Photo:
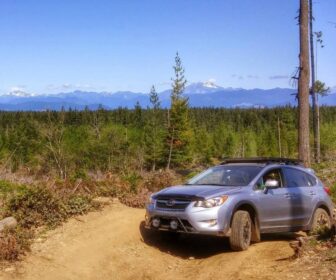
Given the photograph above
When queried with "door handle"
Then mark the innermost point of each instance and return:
(312, 193)
(288, 195)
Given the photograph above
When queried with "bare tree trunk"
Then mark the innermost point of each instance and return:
(316, 110)
(279, 138)
(303, 134)
(243, 146)
(170, 149)
(171, 140)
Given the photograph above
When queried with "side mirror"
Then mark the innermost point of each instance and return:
(271, 184)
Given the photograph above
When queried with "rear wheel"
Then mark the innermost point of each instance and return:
(321, 221)
(241, 231)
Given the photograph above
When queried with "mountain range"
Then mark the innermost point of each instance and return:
(203, 94)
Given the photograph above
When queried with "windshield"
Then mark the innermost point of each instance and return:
(227, 175)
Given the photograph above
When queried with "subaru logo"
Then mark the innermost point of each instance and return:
(170, 202)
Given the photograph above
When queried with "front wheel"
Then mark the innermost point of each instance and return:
(241, 231)
(321, 222)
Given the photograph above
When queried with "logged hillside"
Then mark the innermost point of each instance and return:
(75, 144)
(65, 164)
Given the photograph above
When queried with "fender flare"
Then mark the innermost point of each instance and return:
(255, 221)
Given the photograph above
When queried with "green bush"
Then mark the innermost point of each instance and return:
(78, 205)
(7, 188)
(36, 206)
(132, 179)
(107, 189)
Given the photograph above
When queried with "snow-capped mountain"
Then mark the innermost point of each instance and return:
(202, 87)
(206, 94)
(19, 93)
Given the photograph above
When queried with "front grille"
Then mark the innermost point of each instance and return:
(172, 204)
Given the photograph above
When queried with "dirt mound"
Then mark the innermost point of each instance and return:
(113, 244)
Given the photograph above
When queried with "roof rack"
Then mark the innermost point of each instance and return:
(265, 160)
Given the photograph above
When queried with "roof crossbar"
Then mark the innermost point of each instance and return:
(265, 160)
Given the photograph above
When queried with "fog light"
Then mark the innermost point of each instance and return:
(211, 222)
(173, 224)
(156, 222)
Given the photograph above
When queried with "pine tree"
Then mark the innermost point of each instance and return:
(154, 100)
(320, 88)
(153, 131)
(179, 133)
(138, 118)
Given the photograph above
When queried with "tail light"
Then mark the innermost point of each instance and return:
(327, 190)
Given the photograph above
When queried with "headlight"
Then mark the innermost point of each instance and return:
(211, 202)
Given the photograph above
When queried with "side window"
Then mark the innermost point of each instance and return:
(274, 174)
(297, 178)
(312, 181)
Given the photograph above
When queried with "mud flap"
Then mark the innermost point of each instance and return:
(255, 236)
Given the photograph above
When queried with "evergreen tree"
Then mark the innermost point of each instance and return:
(320, 88)
(138, 121)
(154, 100)
(153, 131)
(179, 133)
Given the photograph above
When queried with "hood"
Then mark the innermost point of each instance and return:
(195, 191)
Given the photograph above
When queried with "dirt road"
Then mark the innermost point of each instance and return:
(112, 244)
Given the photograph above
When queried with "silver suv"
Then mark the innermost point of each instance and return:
(242, 198)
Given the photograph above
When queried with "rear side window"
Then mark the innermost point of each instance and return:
(297, 178)
(312, 181)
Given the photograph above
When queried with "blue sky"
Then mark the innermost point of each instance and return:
(109, 45)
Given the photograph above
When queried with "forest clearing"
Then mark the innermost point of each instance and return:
(103, 140)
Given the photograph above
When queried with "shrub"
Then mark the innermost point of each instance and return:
(107, 189)
(133, 181)
(137, 200)
(78, 205)
(9, 247)
(14, 242)
(157, 180)
(36, 206)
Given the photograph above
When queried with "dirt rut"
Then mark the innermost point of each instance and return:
(112, 244)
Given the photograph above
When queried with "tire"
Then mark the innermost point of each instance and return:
(241, 231)
(321, 221)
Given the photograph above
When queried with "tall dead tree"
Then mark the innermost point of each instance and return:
(304, 72)
(279, 137)
(315, 106)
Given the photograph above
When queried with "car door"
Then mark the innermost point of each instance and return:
(273, 206)
(302, 195)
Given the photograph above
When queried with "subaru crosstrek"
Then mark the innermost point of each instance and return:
(242, 198)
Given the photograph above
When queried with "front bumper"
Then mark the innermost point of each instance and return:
(194, 220)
